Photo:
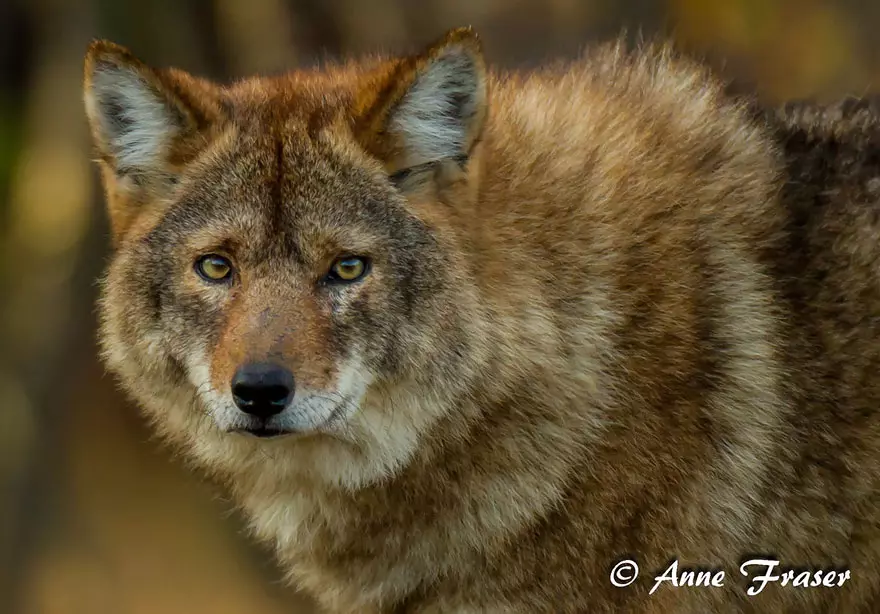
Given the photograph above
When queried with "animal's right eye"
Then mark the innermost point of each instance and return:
(347, 270)
(214, 268)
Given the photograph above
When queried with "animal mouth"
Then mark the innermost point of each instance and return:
(262, 432)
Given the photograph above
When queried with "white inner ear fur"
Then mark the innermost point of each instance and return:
(135, 121)
(433, 118)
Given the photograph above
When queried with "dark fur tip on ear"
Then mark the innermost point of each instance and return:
(102, 50)
(465, 37)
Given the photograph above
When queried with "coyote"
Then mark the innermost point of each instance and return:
(465, 340)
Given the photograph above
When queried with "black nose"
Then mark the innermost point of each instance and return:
(262, 389)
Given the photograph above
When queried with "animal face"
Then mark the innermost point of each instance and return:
(286, 261)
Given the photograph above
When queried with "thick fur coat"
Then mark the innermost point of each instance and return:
(606, 312)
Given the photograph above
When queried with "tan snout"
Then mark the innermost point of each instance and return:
(266, 353)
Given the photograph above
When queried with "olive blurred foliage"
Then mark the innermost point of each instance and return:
(95, 516)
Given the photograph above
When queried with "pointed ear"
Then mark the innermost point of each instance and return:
(144, 122)
(429, 107)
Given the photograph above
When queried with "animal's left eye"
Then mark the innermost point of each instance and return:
(348, 269)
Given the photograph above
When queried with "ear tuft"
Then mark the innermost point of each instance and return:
(435, 104)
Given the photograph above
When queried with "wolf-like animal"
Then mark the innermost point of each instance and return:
(465, 340)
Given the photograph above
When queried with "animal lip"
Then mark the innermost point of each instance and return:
(263, 432)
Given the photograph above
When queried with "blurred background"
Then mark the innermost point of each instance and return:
(95, 516)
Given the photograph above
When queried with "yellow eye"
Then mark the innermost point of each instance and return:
(214, 268)
(348, 269)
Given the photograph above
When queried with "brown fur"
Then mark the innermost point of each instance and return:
(632, 319)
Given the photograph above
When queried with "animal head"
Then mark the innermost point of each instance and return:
(286, 270)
